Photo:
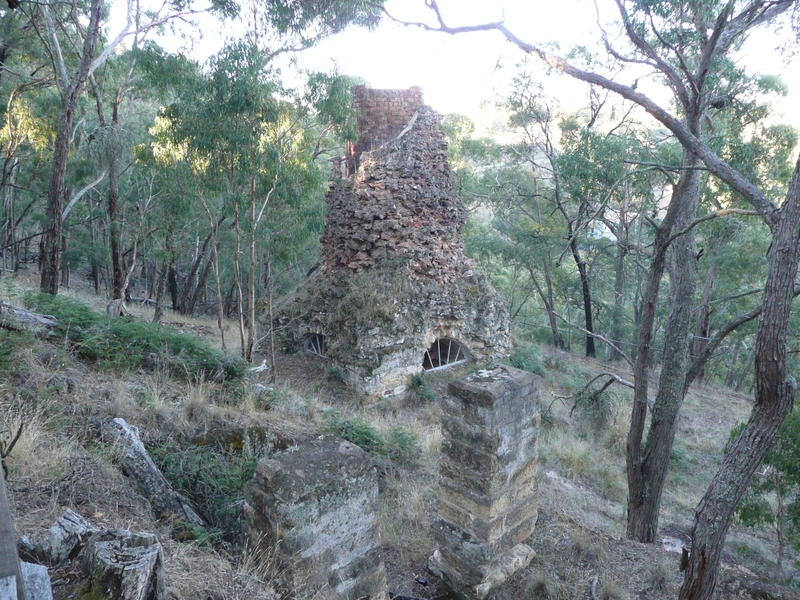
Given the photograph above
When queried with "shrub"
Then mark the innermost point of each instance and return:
(212, 479)
(527, 356)
(124, 343)
(422, 389)
(779, 475)
(401, 446)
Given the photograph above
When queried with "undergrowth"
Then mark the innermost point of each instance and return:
(212, 479)
(398, 445)
(127, 344)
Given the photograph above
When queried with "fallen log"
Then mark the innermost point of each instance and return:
(136, 463)
(63, 539)
(15, 318)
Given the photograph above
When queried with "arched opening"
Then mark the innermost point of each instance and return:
(315, 343)
(444, 352)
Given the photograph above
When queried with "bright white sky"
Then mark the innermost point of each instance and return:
(458, 73)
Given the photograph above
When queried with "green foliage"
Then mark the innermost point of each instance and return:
(123, 343)
(356, 431)
(779, 478)
(9, 345)
(400, 446)
(528, 357)
(211, 478)
(420, 386)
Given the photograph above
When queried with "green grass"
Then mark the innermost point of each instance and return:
(124, 343)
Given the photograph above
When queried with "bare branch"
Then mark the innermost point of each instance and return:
(720, 213)
(599, 337)
(80, 195)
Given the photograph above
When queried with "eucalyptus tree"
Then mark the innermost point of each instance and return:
(252, 153)
(688, 45)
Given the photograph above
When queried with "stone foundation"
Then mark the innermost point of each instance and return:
(316, 508)
(488, 474)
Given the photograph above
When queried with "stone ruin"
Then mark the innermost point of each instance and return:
(488, 494)
(312, 510)
(395, 295)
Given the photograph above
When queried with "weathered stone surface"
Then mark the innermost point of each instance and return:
(136, 463)
(394, 275)
(124, 566)
(318, 504)
(487, 503)
(8, 588)
(37, 582)
(63, 538)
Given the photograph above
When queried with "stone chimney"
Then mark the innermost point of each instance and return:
(395, 294)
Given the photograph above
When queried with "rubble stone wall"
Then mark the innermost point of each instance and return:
(394, 277)
(400, 206)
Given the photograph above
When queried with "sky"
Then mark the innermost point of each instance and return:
(468, 73)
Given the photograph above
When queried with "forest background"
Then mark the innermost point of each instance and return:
(201, 187)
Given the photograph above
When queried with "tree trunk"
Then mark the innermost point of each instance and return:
(9, 560)
(702, 327)
(547, 300)
(619, 302)
(57, 187)
(251, 275)
(237, 279)
(64, 261)
(644, 502)
(587, 296)
(732, 365)
(641, 520)
(162, 281)
(201, 284)
(172, 280)
(273, 370)
(774, 398)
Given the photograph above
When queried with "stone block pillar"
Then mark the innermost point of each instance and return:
(315, 506)
(487, 502)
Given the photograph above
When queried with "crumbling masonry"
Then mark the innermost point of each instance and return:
(395, 293)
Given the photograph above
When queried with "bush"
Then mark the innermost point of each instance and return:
(527, 356)
(212, 479)
(124, 343)
(401, 447)
(422, 389)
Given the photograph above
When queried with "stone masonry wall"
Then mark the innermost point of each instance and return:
(394, 277)
(317, 505)
(487, 486)
(382, 115)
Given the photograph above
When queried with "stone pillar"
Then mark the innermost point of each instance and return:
(316, 507)
(487, 489)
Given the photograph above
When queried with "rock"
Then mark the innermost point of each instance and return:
(137, 464)
(37, 582)
(124, 566)
(26, 548)
(64, 538)
(317, 504)
(8, 588)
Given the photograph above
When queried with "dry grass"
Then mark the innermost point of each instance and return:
(582, 492)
